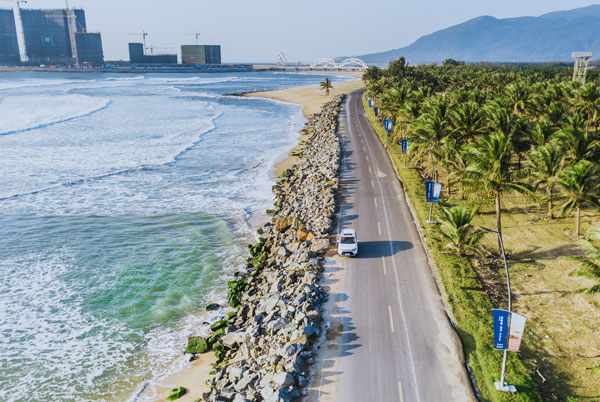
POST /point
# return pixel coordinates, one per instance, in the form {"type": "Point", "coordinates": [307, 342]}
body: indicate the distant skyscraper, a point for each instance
{"type": "Point", "coordinates": [9, 45]}
{"type": "Point", "coordinates": [48, 37]}
{"type": "Point", "coordinates": [201, 54]}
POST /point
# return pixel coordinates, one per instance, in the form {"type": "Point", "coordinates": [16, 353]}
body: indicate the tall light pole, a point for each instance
{"type": "Point", "coordinates": [502, 386]}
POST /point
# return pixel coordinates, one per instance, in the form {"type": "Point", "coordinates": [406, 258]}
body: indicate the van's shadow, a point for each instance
{"type": "Point", "coordinates": [382, 248]}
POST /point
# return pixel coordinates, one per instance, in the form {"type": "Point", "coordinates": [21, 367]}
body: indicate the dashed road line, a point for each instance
{"type": "Point", "coordinates": [379, 228]}
{"type": "Point", "coordinates": [375, 199]}
{"type": "Point", "coordinates": [391, 318]}
{"type": "Point", "coordinates": [383, 264]}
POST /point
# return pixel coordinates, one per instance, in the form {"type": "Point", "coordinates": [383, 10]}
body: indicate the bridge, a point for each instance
{"type": "Point", "coordinates": [322, 64]}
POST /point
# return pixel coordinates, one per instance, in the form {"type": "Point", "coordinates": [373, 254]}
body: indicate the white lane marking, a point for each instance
{"type": "Point", "coordinates": [399, 296]}
{"type": "Point", "coordinates": [370, 169]}
{"type": "Point", "coordinates": [364, 150]}
{"type": "Point", "coordinates": [367, 157]}
{"type": "Point", "coordinates": [379, 228]}
{"type": "Point", "coordinates": [372, 184]}
{"type": "Point", "coordinates": [383, 263]}
{"type": "Point", "coordinates": [400, 391]}
{"type": "Point", "coordinates": [375, 199]}
{"type": "Point", "coordinates": [391, 318]}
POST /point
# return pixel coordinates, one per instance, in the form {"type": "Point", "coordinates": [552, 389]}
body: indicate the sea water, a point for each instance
{"type": "Point", "coordinates": [125, 203]}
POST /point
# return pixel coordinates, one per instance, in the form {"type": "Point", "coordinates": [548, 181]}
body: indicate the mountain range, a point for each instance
{"type": "Point", "coordinates": [549, 37]}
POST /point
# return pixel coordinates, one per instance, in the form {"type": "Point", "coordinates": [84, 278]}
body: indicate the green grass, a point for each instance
{"type": "Point", "coordinates": [470, 306]}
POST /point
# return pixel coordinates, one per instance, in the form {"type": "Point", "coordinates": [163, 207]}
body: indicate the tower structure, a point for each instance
{"type": "Point", "coordinates": [581, 65]}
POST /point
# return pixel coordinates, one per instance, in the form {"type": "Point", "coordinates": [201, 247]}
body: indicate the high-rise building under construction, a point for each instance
{"type": "Point", "coordinates": [60, 36]}
{"type": "Point", "coordinates": [201, 54]}
{"type": "Point", "coordinates": [9, 45]}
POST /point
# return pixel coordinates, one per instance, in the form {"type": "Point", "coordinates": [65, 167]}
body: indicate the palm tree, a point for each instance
{"type": "Point", "coordinates": [580, 186]}
{"type": "Point", "coordinates": [456, 228]}
{"type": "Point", "coordinates": [590, 265]}
{"type": "Point", "coordinates": [546, 162]}
{"type": "Point", "coordinates": [489, 170]}
{"type": "Point", "coordinates": [578, 142]}
{"type": "Point", "coordinates": [467, 121]}
{"type": "Point", "coordinates": [326, 86]}
{"type": "Point", "coordinates": [587, 101]}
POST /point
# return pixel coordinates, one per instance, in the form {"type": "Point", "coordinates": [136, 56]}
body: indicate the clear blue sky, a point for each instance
{"type": "Point", "coordinates": [257, 30]}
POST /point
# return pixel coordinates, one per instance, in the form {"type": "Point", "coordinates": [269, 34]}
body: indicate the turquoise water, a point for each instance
{"type": "Point", "coordinates": [126, 202]}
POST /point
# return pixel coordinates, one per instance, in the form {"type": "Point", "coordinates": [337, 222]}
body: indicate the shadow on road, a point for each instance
{"type": "Point", "coordinates": [382, 248]}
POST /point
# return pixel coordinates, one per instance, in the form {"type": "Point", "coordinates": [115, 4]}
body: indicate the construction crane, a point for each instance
{"type": "Point", "coordinates": [144, 34]}
{"type": "Point", "coordinates": [152, 47]}
{"type": "Point", "coordinates": [282, 59]}
{"type": "Point", "coordinates": [196, 34]}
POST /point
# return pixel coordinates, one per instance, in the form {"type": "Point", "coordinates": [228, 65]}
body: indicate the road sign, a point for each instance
{"type": "Point", "coordinates": [376, 110]}
{"type": "Point", "coordinates": [388, 125]}
{"type": "Point", "coordinates": [500, 328]}
{"type": "Point", "coordinates": [432, 191]}
{"type": "Point", "coordinates": [517, 326]}
{"type": "Point", "coordinates": [404, 146]}
{"type": "Point", "coordinates": [370, 103]}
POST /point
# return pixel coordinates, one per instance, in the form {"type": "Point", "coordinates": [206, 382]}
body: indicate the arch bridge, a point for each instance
{"type": "Point", "coordinates": [351, 63]}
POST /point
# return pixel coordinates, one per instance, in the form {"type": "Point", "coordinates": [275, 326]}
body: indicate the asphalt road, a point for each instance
{"type": "Point", "coordinates": [389, 337]}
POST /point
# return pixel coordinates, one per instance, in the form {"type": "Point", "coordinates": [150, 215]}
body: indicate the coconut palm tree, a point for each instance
{"type": "Point", "coordinates": [456, 229]}
{"type": "Point", "coordinates": [578, 142]}
{"type": "Point", "coordinates": [490, 171]}
{"type": "Point", "coordinates": [587, 102]}
{"type": "Point", "coordinates": [590, 264]}
{"type": "Point", "coordinates": [326, 86]}
{"type": "Point", "coordinates": [580, 187]}
{"type": "Point", "coordinates": [546, 163]}
{"type": "Point", "coordinates": [467, 121]}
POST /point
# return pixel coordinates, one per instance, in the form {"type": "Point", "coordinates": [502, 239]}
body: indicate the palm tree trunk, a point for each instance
{"type": "Point", "coordinates": [549, 192]}
{"type": "Point", "coordinates": [577, 220]}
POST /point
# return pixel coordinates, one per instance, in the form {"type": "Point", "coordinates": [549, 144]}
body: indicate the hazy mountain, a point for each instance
{"type": "Point", "coordinates": [550, 37]}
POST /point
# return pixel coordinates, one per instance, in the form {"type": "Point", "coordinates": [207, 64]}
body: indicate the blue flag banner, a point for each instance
{"type": "Point", "coordinates": [388, 125]}
{"type": "Point", "coordinates": [376, 111]}
{"type": "Point", "coordinates": [500, 328]}
{"type": "Point", "coordinates": [370, 103]}
{"type": "Point", "coordinates": [432, 191]}
{"type": "Point", "coordinates": [404, 146]}
{"type": "Point", "coordinates": [428, 191]}
{"type": "Point", "coordinates": [437, 189]}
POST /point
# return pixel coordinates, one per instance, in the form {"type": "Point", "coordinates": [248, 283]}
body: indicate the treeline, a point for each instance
{"type": "Point", "coordinates": [491, 130]}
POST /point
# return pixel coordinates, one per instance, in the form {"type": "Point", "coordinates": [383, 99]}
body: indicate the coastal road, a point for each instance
{"type": "Point", "coordinates": [389, 337]}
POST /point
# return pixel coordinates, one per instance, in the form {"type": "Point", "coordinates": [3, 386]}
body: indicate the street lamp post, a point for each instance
{"type": "Point", "coordinates": [502, 386]}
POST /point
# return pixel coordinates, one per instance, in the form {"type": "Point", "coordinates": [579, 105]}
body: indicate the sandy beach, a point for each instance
{"type": "Point", "coordinates": [312, 98]}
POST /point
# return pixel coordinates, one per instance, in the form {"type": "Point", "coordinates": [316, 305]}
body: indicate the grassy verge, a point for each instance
{"type": "Point", "coordinates": [470, 305]}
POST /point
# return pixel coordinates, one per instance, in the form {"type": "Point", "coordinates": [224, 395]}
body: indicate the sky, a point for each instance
{"type": "Point", "coordinates": [258, 30]}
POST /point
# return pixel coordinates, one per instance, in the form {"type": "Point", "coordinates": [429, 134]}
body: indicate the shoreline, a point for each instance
{"type": "Point", "coordinates": [312, 99]}
{"type": "Point", "coordinates": [195, 375]}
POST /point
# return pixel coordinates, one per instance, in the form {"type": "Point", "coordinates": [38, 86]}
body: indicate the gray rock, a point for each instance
{"type": "Point", "coordinates": [283, 378]}
{"type": "Point", "coordinates": [277, 324]}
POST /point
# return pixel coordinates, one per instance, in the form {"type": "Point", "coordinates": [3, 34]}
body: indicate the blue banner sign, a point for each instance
{"type": "Point", "coordinates": [404, 146]}
{"type": "Point", "coordinates": [500, 328]}
{"type": "Point", "coordinates": [432, 191]}
{"type": "Point", "coordinates": [376, 110]}
{"type": "Point", "coordinates": [388, 125]}
{"type": "Point", "coordinates": [370, 103]}
{"type": "Point", "coordinates": [437, 189]}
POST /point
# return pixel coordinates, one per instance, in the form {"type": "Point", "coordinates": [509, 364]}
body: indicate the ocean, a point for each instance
{"type": "Point", "coordinates": [126, 202]}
